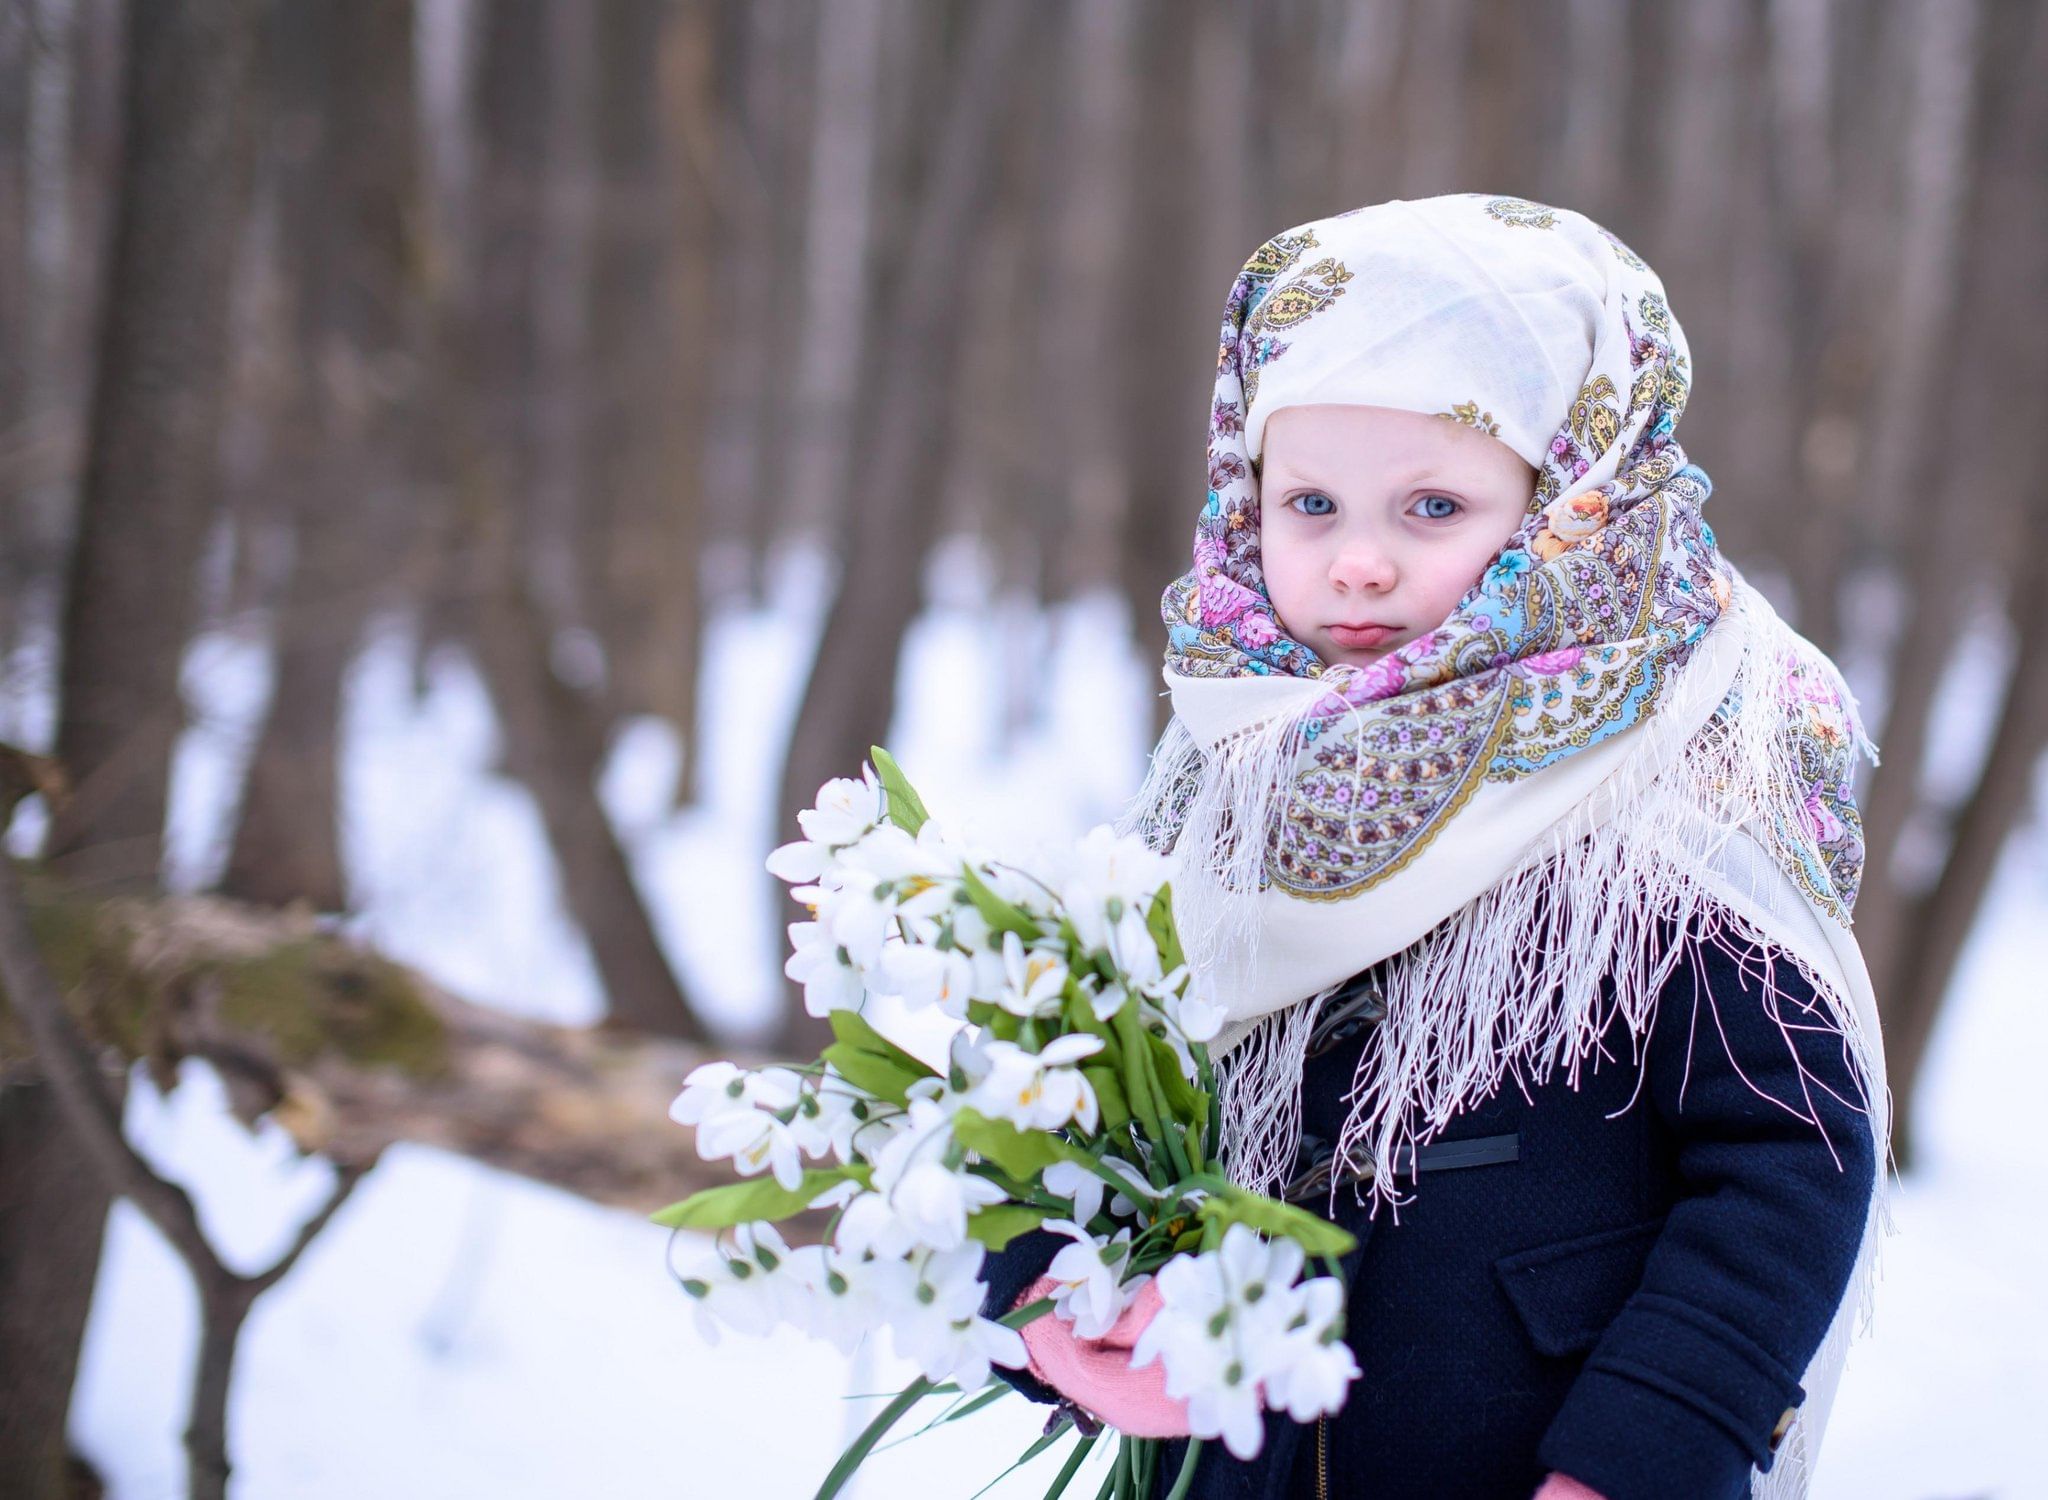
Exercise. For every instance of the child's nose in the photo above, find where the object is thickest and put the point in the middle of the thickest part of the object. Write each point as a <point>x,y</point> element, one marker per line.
<point>1362,568</point>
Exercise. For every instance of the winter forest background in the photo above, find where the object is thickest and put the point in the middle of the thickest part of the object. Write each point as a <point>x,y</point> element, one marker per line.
<point>469,469</point>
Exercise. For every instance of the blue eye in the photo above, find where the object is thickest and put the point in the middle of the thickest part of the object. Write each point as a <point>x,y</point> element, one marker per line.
<point>1442,515</point>
<point>1305,501</point>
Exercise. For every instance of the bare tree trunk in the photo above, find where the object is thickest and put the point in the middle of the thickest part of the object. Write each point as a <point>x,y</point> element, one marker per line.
<point>155,422</point>
<point>1939,182</point>
<point>1167,365</point>
<point>148,483</point>
<point>852,691</point>
<point>554,729</point>
<point>680,615</point>
<point>1991,449</point>
<point>353,243</point>
<point>1094,213</point>
<point>555,746</point>
<point>52,1213</point>
<point>641,499</point>
<point>837,259</point>
<point>1941,918</point>
<point>753,151</point>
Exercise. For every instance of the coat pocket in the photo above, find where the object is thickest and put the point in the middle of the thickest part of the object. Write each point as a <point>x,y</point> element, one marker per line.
<point>1567,1292</point>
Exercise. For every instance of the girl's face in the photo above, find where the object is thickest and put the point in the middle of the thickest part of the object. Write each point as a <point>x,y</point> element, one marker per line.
<point>1373,523</point>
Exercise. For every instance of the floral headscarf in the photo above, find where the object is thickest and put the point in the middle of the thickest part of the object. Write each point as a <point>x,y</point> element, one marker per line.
<point>1611,730</point>
<point>1537,326</point>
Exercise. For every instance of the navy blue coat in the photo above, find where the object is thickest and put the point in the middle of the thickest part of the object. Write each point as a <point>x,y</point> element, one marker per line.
<point>1630,1299</point>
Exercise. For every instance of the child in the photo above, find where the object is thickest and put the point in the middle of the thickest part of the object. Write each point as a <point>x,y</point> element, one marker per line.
<point>1487,768</point>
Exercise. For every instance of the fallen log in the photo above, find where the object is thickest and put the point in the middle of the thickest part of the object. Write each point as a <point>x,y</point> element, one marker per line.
<point>350,1052</point>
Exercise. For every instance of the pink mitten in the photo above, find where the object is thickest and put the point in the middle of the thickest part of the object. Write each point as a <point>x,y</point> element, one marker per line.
<point>1564,1487</point>
<point>1097,1374</point>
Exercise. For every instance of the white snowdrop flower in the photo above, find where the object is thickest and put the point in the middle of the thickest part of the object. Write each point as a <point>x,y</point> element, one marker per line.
<point>846,1298</point>
<point>911,1134</point>
<point>940,1327</point>
<point>846,811</point>
<point>1105,997</point>
<point>1032,979</point>
<point>1071,1180</point>
<point>1221,1329</point>
<point>917,877</point>
<point>744,1283</point>
<point>827,1116</point>
<point>1106,876</point>
<point>830,979</point>
<point>1090,1293</point>
<point>857,916</point>
<point>1035,1090</point>
<point>718,1087</point>
<point>870,1226</point>
<point>755,1140</point>
<point>1132,949</point>
<point>1137,1187</point>
<point>1196,1017</point>
<point>1313,1366</point>
<point>1230,1407</point>
<point>926,976</point>
<point>933,1201</point>
<point>929,1200</point>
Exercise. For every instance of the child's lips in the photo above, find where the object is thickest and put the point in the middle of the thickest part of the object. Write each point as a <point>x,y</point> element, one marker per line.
<point>1357,637</point>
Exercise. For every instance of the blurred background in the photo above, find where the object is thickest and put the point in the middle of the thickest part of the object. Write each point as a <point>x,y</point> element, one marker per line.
<point>469,470</point>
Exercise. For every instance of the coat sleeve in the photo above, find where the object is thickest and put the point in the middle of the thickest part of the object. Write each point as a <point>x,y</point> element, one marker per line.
<point>1776,1167</point>
<point>1008,1272</point>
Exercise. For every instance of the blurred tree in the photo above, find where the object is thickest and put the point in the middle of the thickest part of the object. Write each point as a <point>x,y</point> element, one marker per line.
<point>892,501</point>
<point>147,491</point>
<point>345,118</point>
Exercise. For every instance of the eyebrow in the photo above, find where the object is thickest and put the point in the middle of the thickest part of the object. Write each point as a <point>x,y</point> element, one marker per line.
<point>1405,481</point>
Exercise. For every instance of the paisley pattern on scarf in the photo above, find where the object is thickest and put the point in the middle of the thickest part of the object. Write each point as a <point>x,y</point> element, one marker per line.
<point>1571,635</point>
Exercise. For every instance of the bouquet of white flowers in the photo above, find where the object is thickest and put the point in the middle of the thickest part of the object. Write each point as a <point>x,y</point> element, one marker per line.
<point>1077,1096</point>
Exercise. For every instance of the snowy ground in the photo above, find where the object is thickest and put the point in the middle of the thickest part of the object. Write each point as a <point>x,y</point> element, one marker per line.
<point>457,1332</point>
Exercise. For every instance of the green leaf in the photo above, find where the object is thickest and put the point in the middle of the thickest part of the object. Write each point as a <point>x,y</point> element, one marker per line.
<point>1073,1466</point>
<point>852,1027</point>
<point>1131,1059</point>
<point>1186,1102</point>
<point>1001,915</point>
<point>1024,1154</point>
<point>859,1448</point>
<point>1059,1430</point>
<point>1315,1234</point>
<point>1109,1093</point>
<point>999,1223</point>
<point>881,1076</point>
<point>906,808</point>
<point>742,1202</point>
<point>1165,936</point>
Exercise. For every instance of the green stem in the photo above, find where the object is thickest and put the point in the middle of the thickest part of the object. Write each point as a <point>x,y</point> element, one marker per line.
<point>1187,1471</point>
<point>1017,1317</point>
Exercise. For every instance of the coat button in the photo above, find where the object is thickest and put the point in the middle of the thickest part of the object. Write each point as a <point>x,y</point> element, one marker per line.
<point>1784,1426</point>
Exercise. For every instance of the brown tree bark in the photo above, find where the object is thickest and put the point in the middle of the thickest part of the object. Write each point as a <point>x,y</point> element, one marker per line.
<point>155,420</point>
<point>1933,569</point>
<point>350,239</point>
<point>641,503</point>
<point>493,394</point>
<point>147,488</point>
<point>851,695</point>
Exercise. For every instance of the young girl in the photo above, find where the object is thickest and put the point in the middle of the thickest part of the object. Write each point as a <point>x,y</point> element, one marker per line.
<point>1487,768</point>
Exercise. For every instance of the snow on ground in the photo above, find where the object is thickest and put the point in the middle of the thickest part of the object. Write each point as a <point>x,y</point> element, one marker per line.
<point>458,1332</point>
